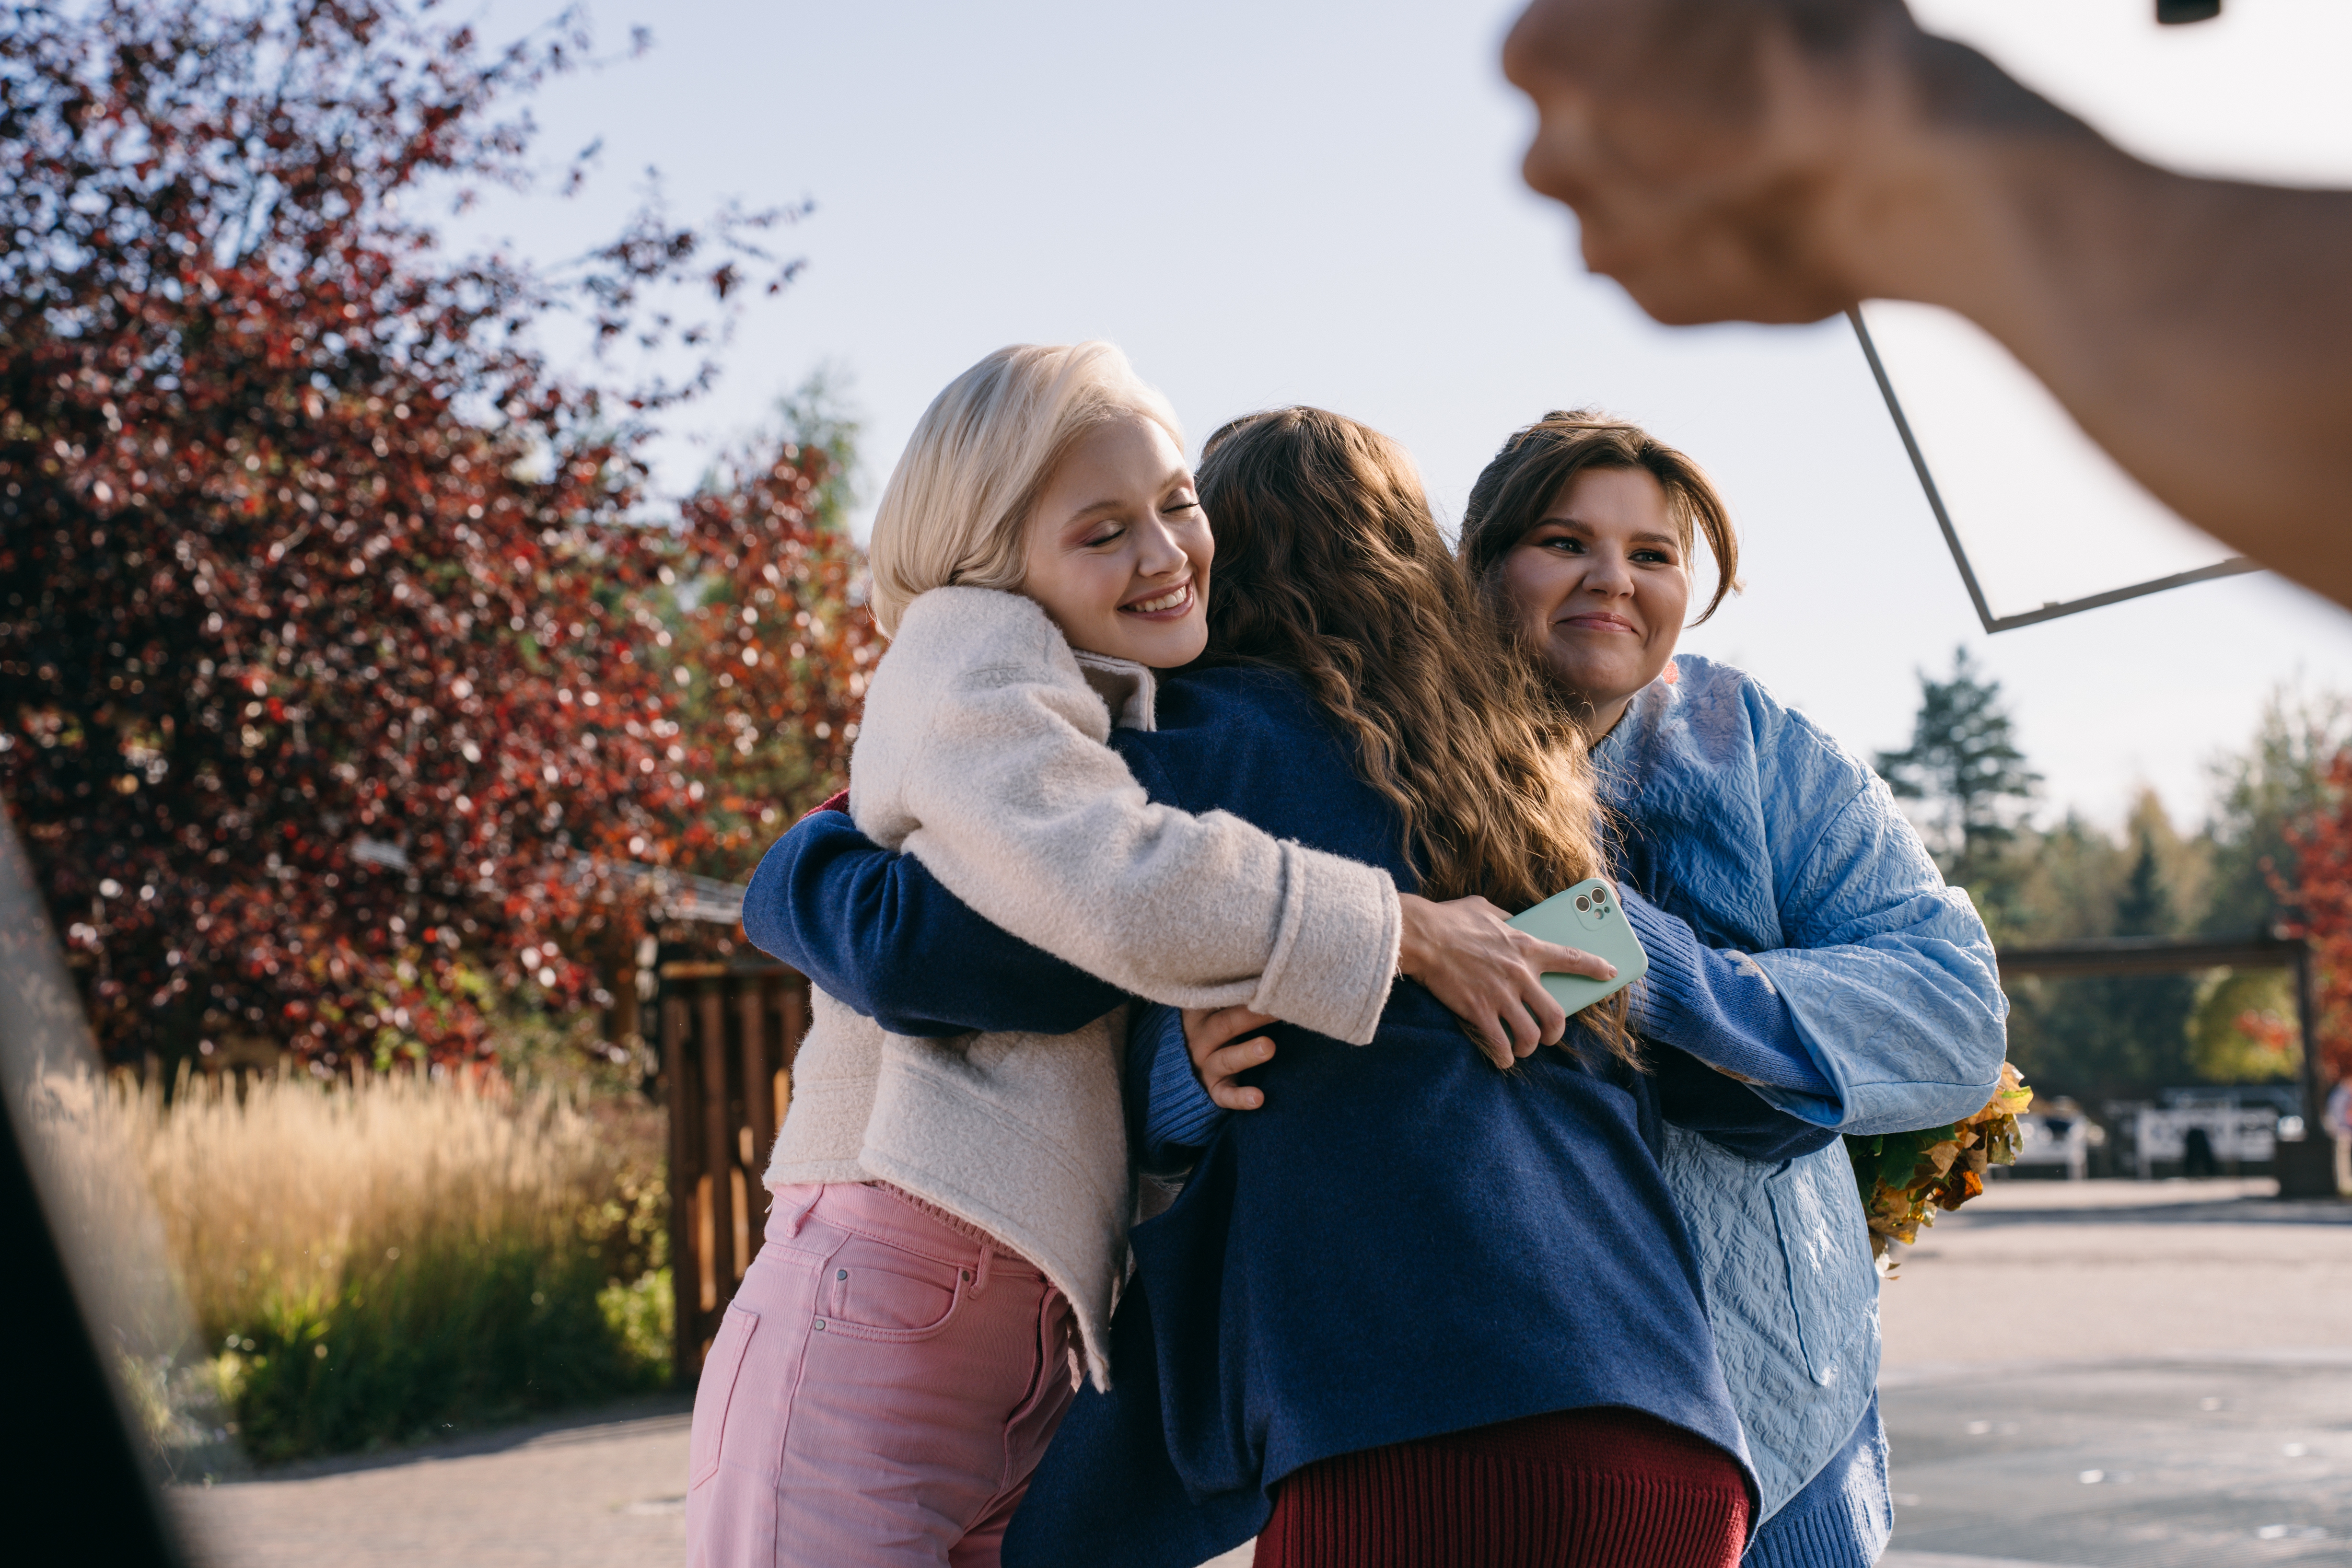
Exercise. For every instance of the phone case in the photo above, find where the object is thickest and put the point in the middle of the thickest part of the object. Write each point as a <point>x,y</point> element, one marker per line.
<point>1590,918</point>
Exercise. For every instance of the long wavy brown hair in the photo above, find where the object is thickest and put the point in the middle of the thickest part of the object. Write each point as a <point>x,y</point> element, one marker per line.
<point>1331,565</point>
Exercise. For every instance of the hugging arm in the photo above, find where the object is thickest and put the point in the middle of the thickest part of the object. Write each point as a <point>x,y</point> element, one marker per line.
<point>1699,1099</point>
<point>988,762</point>
<point>1719,1006</point>
<point>1888,974</point>
<point>1882,1014</point>
<point>1856,949</point>
<point>1723,1050</point>
<point>877,930</point>
<point>1710,1024</point>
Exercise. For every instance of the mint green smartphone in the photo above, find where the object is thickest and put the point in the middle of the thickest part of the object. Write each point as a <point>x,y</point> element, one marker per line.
<point>1589,918</point>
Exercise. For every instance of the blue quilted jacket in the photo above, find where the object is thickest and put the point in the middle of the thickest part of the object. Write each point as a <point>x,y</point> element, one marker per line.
<point>1745,821</point>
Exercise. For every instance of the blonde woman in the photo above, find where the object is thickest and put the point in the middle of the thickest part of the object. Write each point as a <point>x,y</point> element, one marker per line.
<point>949,1216</point>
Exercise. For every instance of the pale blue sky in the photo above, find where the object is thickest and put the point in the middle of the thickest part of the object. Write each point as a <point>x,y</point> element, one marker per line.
<point>1272,202</point>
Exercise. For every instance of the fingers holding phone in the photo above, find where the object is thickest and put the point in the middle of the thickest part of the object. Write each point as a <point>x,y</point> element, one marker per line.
<point>1489,973</point>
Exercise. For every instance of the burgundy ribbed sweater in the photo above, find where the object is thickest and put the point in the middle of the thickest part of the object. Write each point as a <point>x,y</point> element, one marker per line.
<point>1579,1489</point>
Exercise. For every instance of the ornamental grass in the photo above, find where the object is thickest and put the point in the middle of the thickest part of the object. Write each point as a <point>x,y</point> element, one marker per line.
<point>375,1262</point>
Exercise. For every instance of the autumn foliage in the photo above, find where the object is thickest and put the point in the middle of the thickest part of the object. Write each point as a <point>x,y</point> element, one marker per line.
<point>344,663</point>
<point>780,646</point>
<point>2322,844</point>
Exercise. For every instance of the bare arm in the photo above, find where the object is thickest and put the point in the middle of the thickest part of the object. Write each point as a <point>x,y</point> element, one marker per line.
<point>1781,160</point>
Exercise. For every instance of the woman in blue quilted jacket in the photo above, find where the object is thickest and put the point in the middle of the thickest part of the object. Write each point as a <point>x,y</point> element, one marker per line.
<point>1771,879</point>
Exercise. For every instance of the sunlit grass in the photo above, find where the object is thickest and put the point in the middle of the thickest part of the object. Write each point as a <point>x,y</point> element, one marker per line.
<point>374,1262</point>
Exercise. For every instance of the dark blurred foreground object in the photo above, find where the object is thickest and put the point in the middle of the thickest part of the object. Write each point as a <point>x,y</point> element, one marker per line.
<point>2173,12</point>
<point>79,1478</point>
<point>1782,161</point>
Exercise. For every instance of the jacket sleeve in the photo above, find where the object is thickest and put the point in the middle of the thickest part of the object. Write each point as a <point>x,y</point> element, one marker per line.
<point>1697,1098</point>
<point>1887,974</point>
<point>1721,1008</point>
<point>875,930</point>
<point>1170,1118</point>
<point>1014,801</point>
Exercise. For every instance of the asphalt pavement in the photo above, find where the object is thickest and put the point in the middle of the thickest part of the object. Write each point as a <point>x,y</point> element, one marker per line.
<point>2152,1374</point>
<point>604,1491</point>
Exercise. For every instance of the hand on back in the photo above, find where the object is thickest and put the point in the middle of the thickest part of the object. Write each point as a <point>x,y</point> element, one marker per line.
<point>1218,1058</point>
<point>1488,973</point>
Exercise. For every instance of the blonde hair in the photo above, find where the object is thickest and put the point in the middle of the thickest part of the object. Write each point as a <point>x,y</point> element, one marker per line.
<point>957,507</point>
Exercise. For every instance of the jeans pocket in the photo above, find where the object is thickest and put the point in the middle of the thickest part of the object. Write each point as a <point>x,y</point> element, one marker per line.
<point>716,1392</point>
<point>874,1291</point>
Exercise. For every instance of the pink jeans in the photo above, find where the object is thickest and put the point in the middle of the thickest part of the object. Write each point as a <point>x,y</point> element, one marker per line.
<point>882,1386</point>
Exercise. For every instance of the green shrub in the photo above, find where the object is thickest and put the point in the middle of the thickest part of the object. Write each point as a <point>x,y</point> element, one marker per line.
<point>643,1317</point>
<point>427,1345</point>
<point>385,1262</point>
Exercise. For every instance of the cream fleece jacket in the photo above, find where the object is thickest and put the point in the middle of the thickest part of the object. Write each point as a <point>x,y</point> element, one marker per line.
<point>982,752</point>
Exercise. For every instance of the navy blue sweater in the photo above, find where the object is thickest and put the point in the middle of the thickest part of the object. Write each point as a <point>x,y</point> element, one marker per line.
<point>1702,1002</point>
<point>1402,1242</point>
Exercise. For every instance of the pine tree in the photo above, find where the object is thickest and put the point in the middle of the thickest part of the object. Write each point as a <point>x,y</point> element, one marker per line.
<point>1963,765</point>
<point>2143,1019</point>
<point>2120,1036</point>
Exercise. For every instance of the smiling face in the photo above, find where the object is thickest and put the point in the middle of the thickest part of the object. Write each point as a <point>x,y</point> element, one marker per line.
<point>1118,549</point>
<point>1603,583</point>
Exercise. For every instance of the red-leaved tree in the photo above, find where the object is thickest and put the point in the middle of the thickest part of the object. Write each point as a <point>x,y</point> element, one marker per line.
<point>336,668</point>
<point>2322,844</point>
<point>777,648</point>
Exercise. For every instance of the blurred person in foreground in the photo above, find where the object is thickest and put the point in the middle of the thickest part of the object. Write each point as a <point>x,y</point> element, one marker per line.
<point>1780,161</point>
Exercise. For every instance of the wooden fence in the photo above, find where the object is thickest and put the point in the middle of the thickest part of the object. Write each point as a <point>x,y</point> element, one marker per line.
<point>729,1032</point>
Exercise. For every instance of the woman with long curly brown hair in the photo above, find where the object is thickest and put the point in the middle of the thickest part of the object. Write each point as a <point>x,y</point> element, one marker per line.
<point>1411,1309</point>
<point>1379,623</point>
<point>1327,1297</point>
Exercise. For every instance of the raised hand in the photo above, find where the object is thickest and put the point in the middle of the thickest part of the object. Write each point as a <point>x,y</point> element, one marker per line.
<point>1712,149</point>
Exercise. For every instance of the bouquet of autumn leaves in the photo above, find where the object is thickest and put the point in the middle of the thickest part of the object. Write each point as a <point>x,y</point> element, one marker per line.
<point>1906,1178</point>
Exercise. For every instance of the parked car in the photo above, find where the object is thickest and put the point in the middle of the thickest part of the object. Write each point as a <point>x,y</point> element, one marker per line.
<point>2203,1140</point>
<point>2054,1139</point>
